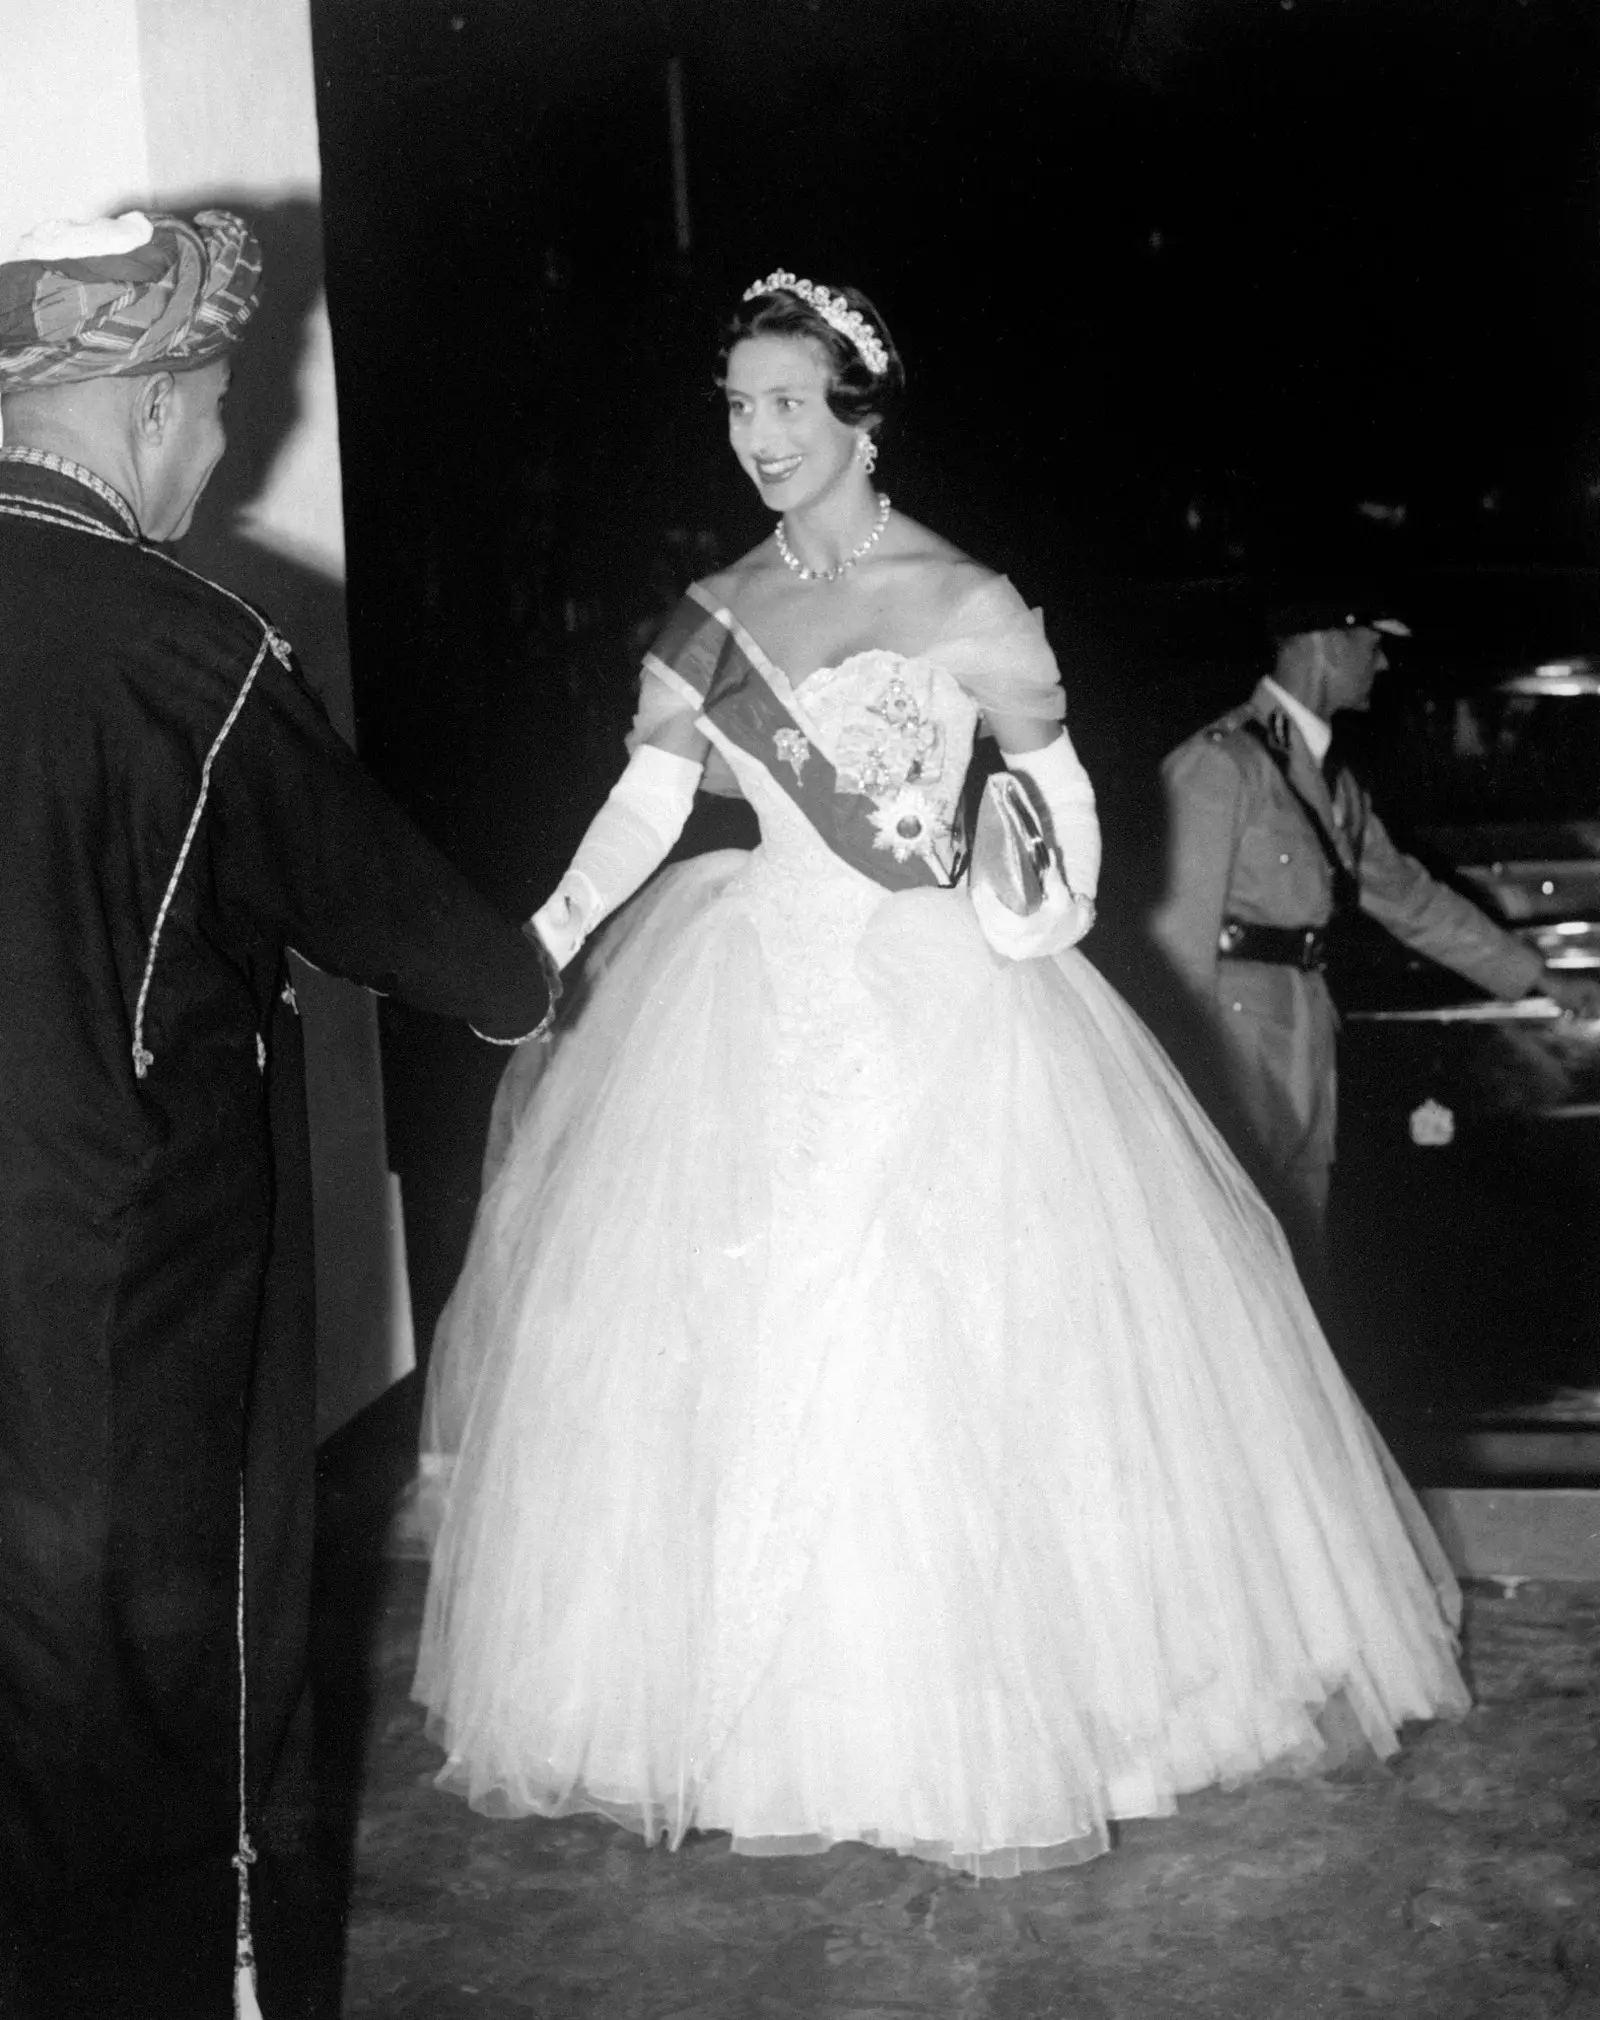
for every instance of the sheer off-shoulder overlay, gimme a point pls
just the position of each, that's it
(876, 1404)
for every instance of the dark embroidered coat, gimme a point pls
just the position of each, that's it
(175, 811)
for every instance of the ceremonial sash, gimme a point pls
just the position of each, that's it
(706, 651)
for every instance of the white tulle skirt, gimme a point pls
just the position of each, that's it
(880, 1408)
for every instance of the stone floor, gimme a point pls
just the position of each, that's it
(1462, 1880)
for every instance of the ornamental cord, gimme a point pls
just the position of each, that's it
(143, 1059)
(65, 520)
(245, 2004)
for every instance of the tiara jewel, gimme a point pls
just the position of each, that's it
(833, 309)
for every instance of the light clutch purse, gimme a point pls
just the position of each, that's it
(1009, 851)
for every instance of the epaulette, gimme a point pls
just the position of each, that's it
(1225, 726)
(1272, 734)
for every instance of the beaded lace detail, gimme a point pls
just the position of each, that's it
(836, 1091)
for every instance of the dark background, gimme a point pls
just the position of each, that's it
(1189, 291)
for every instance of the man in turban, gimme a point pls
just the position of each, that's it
(175, 813)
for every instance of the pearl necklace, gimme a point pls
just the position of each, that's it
(796, 566)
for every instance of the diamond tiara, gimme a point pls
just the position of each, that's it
(833, 309)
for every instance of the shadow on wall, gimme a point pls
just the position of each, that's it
(264, 407)
(363, 1314)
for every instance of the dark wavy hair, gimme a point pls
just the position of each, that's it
(856, 393)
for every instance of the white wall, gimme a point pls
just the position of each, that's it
(118, 104)
(235, 109)
(72, 134)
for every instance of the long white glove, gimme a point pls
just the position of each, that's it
(631, 835)
(1073, 875)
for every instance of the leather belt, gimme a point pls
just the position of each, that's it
(1304, 947)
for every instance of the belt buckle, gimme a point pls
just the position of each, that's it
(1230, 936)
(1311, 950)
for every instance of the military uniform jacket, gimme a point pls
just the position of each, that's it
(1240, 846)
(175, 811)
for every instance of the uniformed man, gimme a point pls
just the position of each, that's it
(175, 811)
(1268, 840)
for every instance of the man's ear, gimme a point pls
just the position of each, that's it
(152, 410)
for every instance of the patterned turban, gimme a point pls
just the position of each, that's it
(137, 293)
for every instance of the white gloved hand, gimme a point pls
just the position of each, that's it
(1059, 923)
(561, 920)
(629, 838)
(1062, 786)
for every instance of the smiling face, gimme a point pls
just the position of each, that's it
(791, 444)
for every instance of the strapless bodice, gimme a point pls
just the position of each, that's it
(895, 728)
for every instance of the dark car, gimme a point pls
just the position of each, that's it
(1467, 1202)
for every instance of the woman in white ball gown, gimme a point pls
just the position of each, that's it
(880, 1408)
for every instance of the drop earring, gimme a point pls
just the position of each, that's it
(867, 453)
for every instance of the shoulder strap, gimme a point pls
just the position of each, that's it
(1346, 885)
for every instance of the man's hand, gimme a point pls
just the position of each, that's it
(1577, 995)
